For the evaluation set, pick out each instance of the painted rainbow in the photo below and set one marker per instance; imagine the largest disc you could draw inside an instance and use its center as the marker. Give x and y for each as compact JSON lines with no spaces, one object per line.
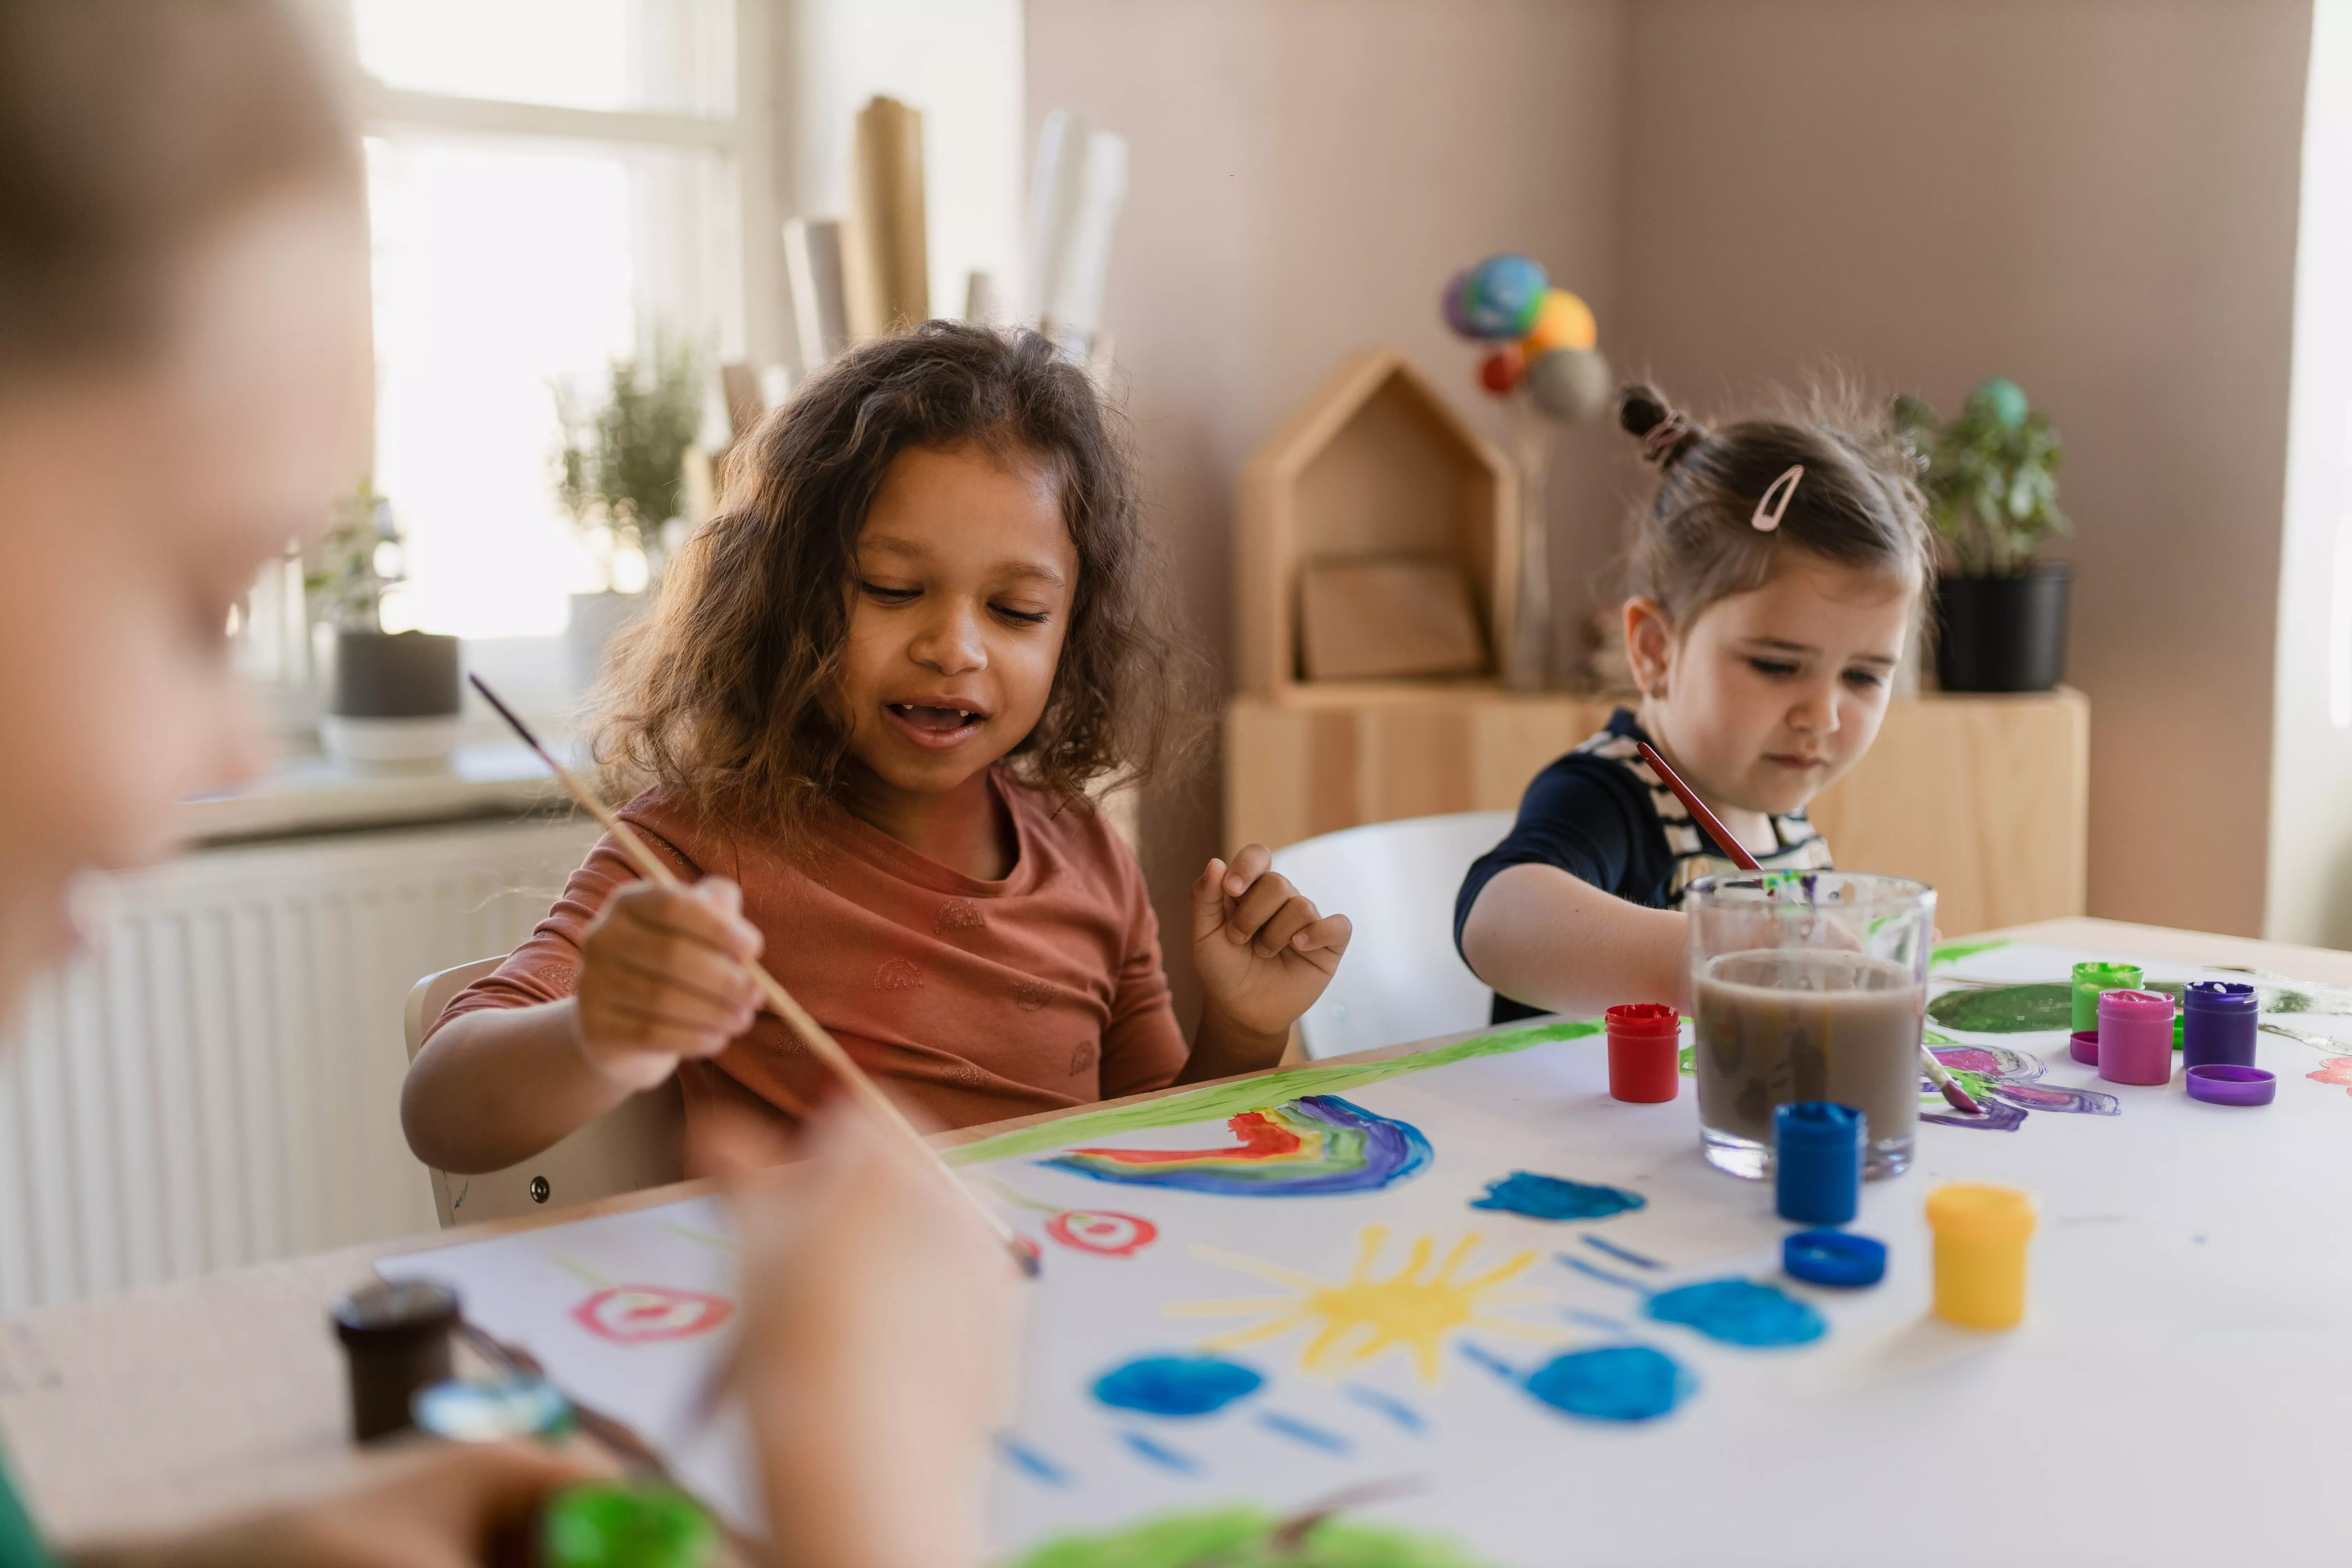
{"x":1309,"y":1146}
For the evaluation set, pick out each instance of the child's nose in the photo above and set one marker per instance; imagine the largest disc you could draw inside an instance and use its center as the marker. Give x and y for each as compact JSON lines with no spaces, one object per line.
{"x":1816,"y":712}
{"x":951,"y":644}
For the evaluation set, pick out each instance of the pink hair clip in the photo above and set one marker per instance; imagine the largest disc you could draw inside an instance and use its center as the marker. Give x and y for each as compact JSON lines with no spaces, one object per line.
{"x":1774,"y":502}
{"x":1662,"y":437}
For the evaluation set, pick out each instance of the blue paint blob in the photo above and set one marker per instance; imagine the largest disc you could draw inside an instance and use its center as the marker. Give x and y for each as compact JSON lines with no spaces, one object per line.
{"x":1395,"y":1409}
{"x":1739,"y":1313}
{"x":1176,"y":1385}
{"x":1617,"y":1383}
{"x":1160,"y":1453}
{"x":1312,"y":1436}
{"x":1556,"y":1197}
{"x":1030,"y":1462}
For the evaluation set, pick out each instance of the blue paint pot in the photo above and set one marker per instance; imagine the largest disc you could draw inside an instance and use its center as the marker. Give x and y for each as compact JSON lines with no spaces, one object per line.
{"x":1817,"y":1151}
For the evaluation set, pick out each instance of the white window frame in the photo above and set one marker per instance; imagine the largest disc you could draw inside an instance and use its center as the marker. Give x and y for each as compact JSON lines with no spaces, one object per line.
{"x":746,"y":138}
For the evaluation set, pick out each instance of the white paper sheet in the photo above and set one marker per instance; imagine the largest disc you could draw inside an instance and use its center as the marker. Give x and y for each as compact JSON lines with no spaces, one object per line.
{"x":2173,"y":1396}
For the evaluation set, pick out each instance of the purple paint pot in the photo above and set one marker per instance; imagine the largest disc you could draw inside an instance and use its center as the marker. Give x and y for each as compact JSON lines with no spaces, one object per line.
{"x":2218,"y":1027}
{"x":2084,"y":1044}
{"x":2135,"y":1037}
{"x":2223,"y":1083}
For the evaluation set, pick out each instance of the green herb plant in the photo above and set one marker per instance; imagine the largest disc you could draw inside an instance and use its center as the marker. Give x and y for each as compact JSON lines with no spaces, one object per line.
{"x":346,"y":572}
{"x":620,"y":471}
{"x":1990,"y":475}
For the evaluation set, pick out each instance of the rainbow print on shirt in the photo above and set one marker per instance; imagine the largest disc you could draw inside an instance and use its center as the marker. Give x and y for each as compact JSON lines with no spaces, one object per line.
{"x":1309,"y":1146}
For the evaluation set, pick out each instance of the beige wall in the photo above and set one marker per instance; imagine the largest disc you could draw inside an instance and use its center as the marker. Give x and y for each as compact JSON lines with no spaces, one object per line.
{"x":1305,"y":175}
{"x":2096,"y":197}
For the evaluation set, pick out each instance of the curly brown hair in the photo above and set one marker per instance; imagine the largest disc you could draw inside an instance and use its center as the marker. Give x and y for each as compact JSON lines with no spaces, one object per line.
{"x":724,"y":694}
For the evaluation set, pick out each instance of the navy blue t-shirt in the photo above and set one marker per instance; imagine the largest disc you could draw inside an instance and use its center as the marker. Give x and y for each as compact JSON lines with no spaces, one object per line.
{"x":1600,"y":815}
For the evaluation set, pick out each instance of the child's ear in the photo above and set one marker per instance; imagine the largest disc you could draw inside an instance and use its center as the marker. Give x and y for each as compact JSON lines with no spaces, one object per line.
{"x":1649,"y":645}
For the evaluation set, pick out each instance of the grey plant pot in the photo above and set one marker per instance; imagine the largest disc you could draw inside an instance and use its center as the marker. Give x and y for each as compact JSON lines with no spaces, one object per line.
{"x":396,"y":698}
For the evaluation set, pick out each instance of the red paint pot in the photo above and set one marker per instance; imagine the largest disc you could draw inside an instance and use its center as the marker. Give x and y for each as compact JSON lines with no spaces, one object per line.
{"x":1644,"y":1052}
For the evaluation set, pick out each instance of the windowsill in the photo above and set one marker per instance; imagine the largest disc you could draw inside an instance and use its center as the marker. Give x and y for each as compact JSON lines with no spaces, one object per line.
{"x":316,"y":793}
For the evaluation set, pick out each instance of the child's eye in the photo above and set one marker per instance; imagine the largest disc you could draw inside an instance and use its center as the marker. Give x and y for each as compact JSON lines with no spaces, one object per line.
{"x":1777,"y":668}
{"x":1026,"y":618}
{"x":1865,"y":679}
{"x":888,"y":596}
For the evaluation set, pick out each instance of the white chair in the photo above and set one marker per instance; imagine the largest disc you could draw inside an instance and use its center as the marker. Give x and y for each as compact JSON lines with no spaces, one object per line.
{"x":637,"y":1144}
{"x":1401,"y":979}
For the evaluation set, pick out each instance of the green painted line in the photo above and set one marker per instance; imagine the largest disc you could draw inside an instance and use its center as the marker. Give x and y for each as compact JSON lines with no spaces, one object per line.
{"x":1219,"y":1100}
{"x":1953,"y":951}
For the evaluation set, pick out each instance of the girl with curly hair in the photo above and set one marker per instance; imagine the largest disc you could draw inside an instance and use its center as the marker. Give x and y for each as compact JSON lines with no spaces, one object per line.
{"x":863,"y":721}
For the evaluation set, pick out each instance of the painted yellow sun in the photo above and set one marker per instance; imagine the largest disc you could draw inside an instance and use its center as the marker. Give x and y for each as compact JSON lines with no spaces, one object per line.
{"x":1362,"y":1317}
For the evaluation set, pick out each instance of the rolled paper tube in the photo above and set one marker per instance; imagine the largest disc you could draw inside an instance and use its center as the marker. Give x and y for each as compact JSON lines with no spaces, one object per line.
{"x":2135,"y":1037}
{"x":2090,"y":979}
{"x":1981,"y":1233}
{"x":1644,"y":1052}
{"x":2084,"y":1044}
{"x":2224,"y":1083}
{"x":2218,"y":1028}
{"x":1817,"y":1161}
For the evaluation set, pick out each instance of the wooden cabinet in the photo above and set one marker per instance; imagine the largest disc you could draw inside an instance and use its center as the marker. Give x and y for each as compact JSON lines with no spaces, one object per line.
{"x":1987,"y":797}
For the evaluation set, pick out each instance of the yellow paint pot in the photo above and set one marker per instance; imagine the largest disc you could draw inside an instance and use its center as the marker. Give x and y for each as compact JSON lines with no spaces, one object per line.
{"x":1981,"y":1236}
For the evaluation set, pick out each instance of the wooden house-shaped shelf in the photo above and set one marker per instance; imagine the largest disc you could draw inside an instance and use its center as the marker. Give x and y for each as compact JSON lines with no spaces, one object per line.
{"x":1377,"y":540}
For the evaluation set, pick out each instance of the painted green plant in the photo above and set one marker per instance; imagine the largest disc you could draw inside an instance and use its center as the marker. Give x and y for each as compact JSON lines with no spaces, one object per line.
{"x":1990,"y":474}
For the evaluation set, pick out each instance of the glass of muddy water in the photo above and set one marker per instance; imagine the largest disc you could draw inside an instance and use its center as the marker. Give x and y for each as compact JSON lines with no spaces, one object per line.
{"x":1808,"y":986}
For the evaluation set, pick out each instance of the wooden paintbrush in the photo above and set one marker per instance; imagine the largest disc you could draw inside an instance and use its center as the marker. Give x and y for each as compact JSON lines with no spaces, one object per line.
{"x":1938,"y":1074}
{"x":811,"y":1033}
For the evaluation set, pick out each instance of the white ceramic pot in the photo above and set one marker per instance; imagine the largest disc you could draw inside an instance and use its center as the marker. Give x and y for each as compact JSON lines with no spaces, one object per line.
{"x":389,"y":743}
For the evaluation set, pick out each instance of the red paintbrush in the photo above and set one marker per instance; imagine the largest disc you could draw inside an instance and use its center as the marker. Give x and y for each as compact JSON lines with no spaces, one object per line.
{"x":1938,"y":1074}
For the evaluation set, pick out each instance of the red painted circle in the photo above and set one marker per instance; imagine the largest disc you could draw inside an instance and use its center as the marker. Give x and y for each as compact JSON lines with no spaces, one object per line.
{"x":649,"y":1314}
{"x":1103,"y":1231}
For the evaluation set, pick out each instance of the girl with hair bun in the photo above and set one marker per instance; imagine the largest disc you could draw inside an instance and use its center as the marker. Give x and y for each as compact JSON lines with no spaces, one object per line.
{"x":1773,"y":577}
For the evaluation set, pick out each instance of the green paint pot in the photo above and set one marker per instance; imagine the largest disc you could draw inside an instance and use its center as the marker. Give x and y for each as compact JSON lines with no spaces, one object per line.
{"x":609,"y":1524}
{"x":2090,"y":979}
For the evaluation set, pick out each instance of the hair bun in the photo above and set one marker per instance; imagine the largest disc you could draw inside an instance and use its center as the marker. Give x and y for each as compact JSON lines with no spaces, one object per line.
{"x":1640,"y":410}
{"x":1664,"y":434}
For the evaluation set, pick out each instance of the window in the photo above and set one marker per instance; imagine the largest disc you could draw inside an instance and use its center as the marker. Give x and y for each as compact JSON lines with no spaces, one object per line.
{"x":551,"y":183}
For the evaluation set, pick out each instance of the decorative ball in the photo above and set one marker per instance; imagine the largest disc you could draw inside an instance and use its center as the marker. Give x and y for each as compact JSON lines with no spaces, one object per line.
{"x":1499,"y":297}
{"x":1572,"y":385}
{"x":1500,"y":371}
{"x":2001,"y":398}
{"x":1565,"y":322}
{"x":1450,"y":304}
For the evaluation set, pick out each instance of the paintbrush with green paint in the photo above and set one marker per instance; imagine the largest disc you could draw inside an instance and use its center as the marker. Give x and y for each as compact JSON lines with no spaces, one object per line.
{"x":1938,"y":1074}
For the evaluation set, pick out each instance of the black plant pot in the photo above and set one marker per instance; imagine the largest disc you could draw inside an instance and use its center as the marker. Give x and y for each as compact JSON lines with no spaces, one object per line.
{"x":397,"y":675}
{"x":2002,"y":634}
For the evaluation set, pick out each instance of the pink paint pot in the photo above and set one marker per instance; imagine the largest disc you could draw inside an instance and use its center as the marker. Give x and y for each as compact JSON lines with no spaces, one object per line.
{"x":2084,"y":1044}
{"x":2135,"y":1037}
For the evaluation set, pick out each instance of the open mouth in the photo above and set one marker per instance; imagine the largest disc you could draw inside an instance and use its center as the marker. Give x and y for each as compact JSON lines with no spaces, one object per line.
{"x":933,"y":724}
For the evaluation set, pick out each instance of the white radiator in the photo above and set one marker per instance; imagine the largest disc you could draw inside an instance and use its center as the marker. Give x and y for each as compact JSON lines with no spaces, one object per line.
{"x":217,"y":1082}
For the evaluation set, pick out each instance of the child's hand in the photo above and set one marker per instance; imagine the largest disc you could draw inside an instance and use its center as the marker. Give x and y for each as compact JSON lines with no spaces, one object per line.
{"x":876,"y":1344}
{"x":1263,"y":952}
{"x":662,"y":977}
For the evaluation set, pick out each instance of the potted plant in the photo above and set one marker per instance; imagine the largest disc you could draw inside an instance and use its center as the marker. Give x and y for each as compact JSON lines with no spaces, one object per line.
{"x":395,"y":696}
{"x":621,"y":478}
{"x":1991,"y":477}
